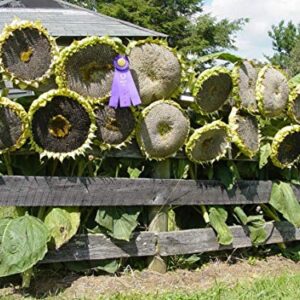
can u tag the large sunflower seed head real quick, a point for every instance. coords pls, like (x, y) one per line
(156, 70)
(162, 129)
(286, 147)
(27, 53)
(272, 92)
(212, 89)
(245, 131)
(115, 127)
(13, 125)
(62, 124)
(294, 104)
(208, 143)
(244, 76)
(86, 67)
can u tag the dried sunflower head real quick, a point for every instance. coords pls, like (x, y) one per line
(244, 76)
(272, 92)
(208, 143)
(13, 125)
(286, 147)
(212, 89)
(294, 104)
(245, 131)
(115, 127)
(155, 68)
(62, 124)
(162, 129)
(86, 67)
(27, 53)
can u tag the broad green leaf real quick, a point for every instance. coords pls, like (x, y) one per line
(295, 80)
(181, 169)
(284, 200)
(24, 243)
(11, 212)
(220, 55)
(256, 225)
(227, 175)
(63, 224)
(134, 172)
(265, 152)
(217, 218)
(118, 222)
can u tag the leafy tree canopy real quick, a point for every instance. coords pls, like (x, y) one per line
(188, 28)
(286, 45)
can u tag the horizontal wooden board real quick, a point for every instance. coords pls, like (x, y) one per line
(99, 246)
(205, 240)
(103, 191)
(95, 247)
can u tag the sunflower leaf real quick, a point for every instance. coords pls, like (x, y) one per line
(219, 55)
(23, 244)
(217, 218)
(265, 152)
(256, 225)
(63, 224)
(11, 212)
(284, 200)
(118, 222)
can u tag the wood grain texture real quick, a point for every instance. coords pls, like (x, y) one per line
(94, 247)
(99, 246)
(205, 240)
(104, 191)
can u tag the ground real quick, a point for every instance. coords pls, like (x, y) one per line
(91, 287)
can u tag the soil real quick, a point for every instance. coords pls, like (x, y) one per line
(91, 287)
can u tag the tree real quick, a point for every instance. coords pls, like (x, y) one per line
(285, 38)
(182, 20)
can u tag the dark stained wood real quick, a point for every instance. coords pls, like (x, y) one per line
(205, 240)
(94, 247)
(103, 191)
(99, 246)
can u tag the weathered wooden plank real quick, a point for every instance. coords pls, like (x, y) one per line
(94, 247)
(98, 246)
(205, 240)
(104, 191)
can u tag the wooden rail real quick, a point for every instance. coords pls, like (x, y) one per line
(99, 246)
(87, 191)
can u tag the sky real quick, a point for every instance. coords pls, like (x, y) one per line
(253, 41)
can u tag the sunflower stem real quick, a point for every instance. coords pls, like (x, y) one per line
(158, 217)
(7, 161)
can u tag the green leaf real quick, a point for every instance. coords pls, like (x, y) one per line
(23, 244)
(11, 212)
(63, 224)
(295, 80)
(134, 173)
(256, 226)
(227, 174)
(240, 214)
(118, 222)
(219, 55)
(107, 265)
(181, 170)
(265, 152)
(284, 200)
(217, 218)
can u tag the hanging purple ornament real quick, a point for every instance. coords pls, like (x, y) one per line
(123, 92)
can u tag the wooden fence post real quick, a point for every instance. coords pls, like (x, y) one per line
(158, 217)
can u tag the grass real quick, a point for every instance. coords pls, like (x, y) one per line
(282, 287)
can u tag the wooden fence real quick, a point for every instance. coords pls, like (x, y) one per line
(82, 191)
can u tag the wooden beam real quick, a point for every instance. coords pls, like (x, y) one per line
(103, 191)
(205, 240)
(98, 246)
